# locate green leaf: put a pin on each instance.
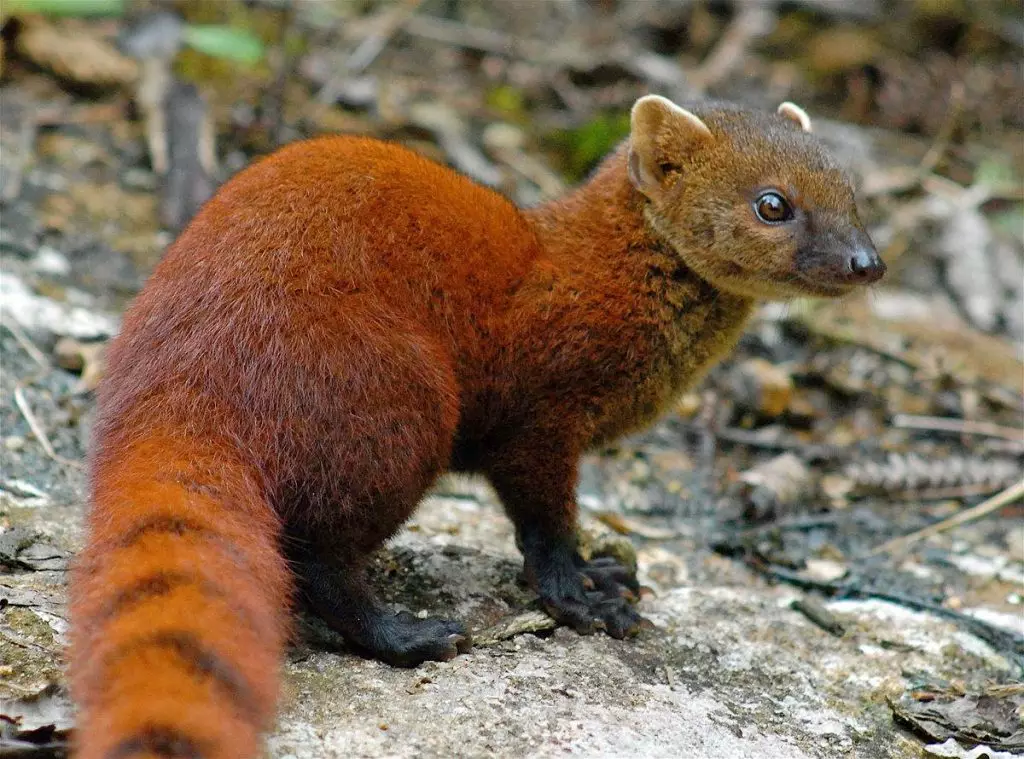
(584, 146)
(506, 99)
(73, 8)
(224, 42)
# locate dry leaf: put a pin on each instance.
(72, 50)
(87, 359)
(762, 387)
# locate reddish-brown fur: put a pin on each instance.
(340, 324)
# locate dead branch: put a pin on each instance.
(37, 429)
(996, 502)
(956, 426)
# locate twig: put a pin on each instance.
(284, 63)
(151, 90)
(58, 114)
(504, 142)
(752, 22)
(509, 627)
(27, 345)
(1000, 446)
(1006, 642)
(957, 426)
(37, 430)
(570, 93)
(996, 502)
(393, 20)
(941, 142)
(625, 526)
(450, 134)
(499, 43)
(382, 29)
(945, 494)
(460, 35)
(814, 452)
(903, 178)
(661, 71)
(819, 615)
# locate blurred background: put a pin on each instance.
(833, 428)
(152, 104)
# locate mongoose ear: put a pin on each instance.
(796, 114)
(661, 134)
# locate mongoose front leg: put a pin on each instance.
(536, 483)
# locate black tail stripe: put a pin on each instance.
(167, 524)
(202, 662)
(161, 523)
(163, 582)
(151, 586)
(166, 742)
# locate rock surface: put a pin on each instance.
(730, 670)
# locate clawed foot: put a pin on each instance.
(588, 595)
(608, 576)
(404, 640)
(346, 605)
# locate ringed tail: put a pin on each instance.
(179, 604)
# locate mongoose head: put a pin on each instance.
(752, 202)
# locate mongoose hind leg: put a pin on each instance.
(344, 601)
(384, 443)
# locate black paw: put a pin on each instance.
(591, 596)
(606, 575)
(404, 640)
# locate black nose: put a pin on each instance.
(865, 266)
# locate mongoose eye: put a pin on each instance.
(772, 208)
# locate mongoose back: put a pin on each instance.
(343, 322)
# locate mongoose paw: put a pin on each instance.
(405, 640)
(608, 576)
(597, 595)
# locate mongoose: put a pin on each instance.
(346, 320)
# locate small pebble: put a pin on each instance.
(51, 261)
(14, 442)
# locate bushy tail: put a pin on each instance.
(178, 606)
